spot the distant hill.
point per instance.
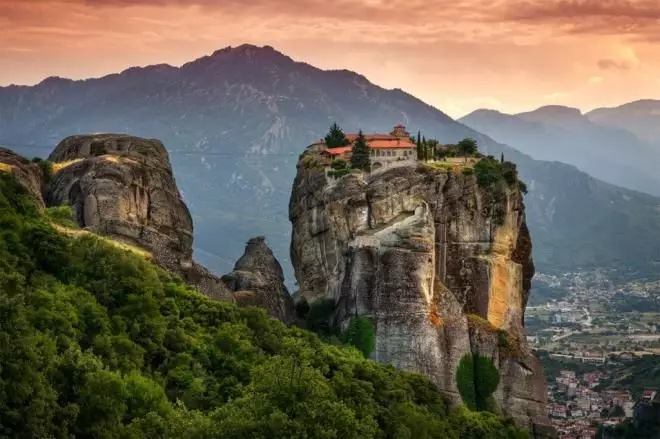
(641, 118)
(235, 122)
(564, 134)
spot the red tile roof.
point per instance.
(340, 150)
(398, 143)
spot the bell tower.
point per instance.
(400, 131)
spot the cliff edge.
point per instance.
(440, 260)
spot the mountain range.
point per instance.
(603, 146)
(234, 123)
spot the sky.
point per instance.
(458, 55)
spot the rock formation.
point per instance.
(258, 280)
(123, 187)
(27, 173)
(441, 265)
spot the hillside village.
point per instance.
(598, 340)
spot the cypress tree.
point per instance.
(420, 151)
(360, 153)
(425, 147)
(335, 137)
(502, 158)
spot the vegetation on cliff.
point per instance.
(476, 379)
(98, 342)
(360, 153)
(336, 137)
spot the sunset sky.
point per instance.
(458, 55)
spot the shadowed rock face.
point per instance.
(442, 266)
(258, 280)
(122, 187)
(26, 172)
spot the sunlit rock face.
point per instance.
(123, 187)
(441, 265)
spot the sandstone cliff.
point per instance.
(441, 265)
(258, 280)
(122, 187)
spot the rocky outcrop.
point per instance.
(27, 173)
(258, 280)
(123, 187)
(441, 265)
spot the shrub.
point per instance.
(509, 173)
(360, 333)
(467, 171)
(46, 169)
(337, 173)
(339, 164)
(62, 215)
(488, 172)
(477, 378)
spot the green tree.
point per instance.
(477, 378)
(360, 333)
(360, 154)
(427, 151)
(420, 149)
(467, 147)
(335, 137)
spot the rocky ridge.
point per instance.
(441, 265)
(123, 187)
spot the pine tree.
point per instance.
(335, 137)
(360, 153)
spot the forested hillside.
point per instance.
(96, 342)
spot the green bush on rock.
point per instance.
(360, 333)
(477, 378)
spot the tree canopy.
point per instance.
(467, 147)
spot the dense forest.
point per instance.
(96, 342)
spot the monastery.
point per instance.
(385, 149)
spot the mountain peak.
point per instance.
(484, 112)
(555, 110)
(246, 49)
(54, 80)
(554, 114)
